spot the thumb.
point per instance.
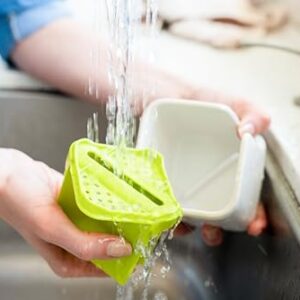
(252, 119)
(253, 123)
(55, 228)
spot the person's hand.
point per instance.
(253, 120)
(213, 236)
(28, 193)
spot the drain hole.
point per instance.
(125, 178)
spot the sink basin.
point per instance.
(266, 267)
(24, 275)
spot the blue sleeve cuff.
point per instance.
(15, 27)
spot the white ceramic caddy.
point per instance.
(215, 176)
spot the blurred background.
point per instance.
(241, 47)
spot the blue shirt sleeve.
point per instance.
(8, 6)
(21, 18)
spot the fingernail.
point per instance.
(118, 248)
(246, 128)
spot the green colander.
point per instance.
(138, 203)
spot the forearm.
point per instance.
(60, 54)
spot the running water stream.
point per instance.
(124, 19)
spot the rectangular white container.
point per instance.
(215, 176)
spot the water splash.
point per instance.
(93, 128)
(160, 296)
(151, 33)
(122, 21)
(124, 18)
(93, 88)
(143, 275)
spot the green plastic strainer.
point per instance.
(139, 204)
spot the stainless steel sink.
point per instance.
(244, 267)
(24, 275)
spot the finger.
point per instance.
(183, 229)
(253, 123)
(259, 223)
(53, 226)
(252, 120)
(63, 263)
(211, 235)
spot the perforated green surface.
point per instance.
(138, 204)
